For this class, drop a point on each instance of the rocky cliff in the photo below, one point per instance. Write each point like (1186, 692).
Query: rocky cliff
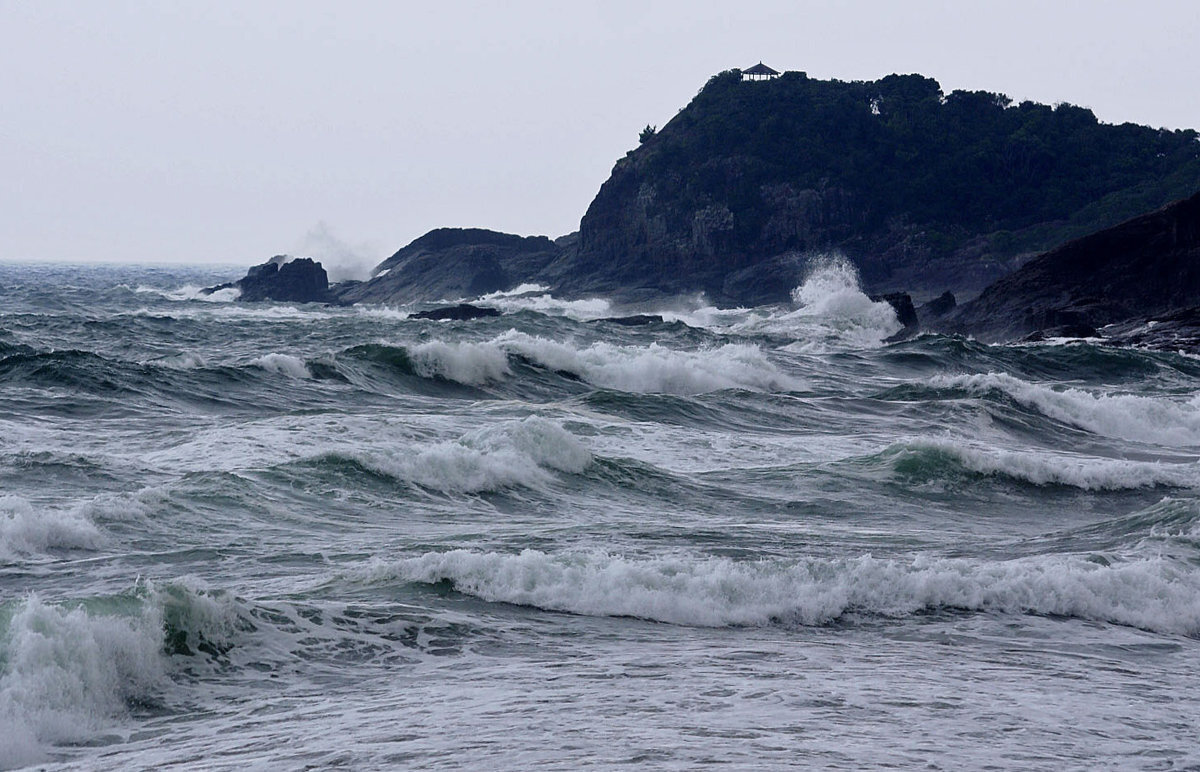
(924, 191)
(1130, 274)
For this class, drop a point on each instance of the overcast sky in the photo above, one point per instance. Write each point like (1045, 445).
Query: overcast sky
(230, 131)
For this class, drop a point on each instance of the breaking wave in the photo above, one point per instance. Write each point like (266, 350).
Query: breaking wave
(193, 292)
(70, 670)
(932, 459)
(519, 453)
(26, 531)
(1152, 594)
(284, 364)
(649, 369)
(1156, 420)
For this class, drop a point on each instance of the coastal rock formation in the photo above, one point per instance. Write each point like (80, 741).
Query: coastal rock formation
(451, 263)
(1144, 269)
(922, 190)
(284, 279)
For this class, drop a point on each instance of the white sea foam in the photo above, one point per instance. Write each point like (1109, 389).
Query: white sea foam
(527, 288)
(27, 530)
(1154, 593)
(1157, 420)
(68, 671)
(497, 457)
(382, 312)
(1091, 474)
(185, 361)
(194, 292)
(241, 312)
(474, 364)
(649, 369)
(523, 299)
(284, 364)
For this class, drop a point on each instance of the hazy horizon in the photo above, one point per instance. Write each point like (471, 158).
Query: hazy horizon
(224, 134)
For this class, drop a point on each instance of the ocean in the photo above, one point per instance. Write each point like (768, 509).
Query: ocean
(290, 537)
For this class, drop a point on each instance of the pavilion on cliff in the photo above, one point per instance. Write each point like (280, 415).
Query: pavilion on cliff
(759, 71)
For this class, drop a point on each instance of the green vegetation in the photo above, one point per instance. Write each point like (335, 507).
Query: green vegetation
(959, 165)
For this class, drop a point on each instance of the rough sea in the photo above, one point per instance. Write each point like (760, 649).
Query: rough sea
(285, 537)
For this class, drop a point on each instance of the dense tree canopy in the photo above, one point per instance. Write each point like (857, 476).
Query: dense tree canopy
(967, 161)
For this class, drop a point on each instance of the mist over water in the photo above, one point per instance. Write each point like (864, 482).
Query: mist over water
(237, 535)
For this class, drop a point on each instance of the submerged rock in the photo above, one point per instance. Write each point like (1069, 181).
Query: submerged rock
(636, 320)
(460, 312)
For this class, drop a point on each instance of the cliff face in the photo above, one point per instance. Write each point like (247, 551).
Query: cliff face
(451, 263)
(924, 191)
(1144, 268)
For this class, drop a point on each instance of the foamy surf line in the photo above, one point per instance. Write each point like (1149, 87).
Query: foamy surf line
(1152, 594)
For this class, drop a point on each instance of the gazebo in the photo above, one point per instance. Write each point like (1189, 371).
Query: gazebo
(759, 71)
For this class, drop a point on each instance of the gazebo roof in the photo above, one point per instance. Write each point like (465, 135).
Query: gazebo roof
(760, 69)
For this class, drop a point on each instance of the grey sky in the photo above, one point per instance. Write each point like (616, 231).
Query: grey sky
(230, 131)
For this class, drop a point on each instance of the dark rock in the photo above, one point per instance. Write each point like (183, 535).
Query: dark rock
(1176, 331)
(299, 280)
(637, 320)
(1142, 269)
(454, 263)
(1063, 331)
(938, 307)
(460, 312)
(901, 303)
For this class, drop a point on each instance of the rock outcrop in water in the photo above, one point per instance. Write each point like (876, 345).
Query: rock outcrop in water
(459, 313)
(284, 279)
(451, 263)
(924, 191)
(1142, 275)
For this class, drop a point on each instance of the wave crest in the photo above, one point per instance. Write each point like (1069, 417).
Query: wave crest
(649, 369)
(519, 453)
(70, 670)
(26, 531)
(931, 458)
(1156, 420)
(1153, 594)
